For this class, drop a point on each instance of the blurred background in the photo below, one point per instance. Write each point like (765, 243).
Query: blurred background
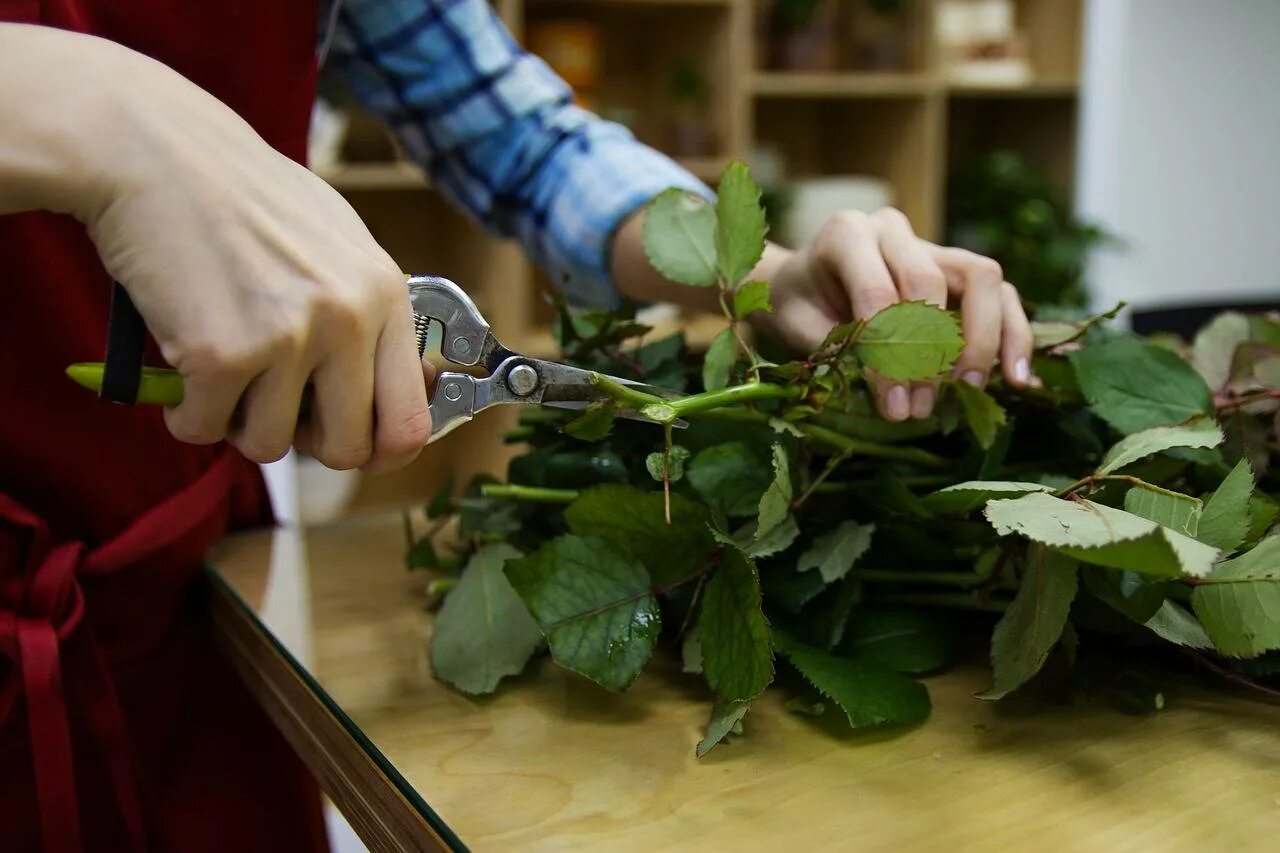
(1102, 150)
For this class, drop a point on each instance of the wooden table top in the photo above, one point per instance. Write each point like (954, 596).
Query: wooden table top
(553, 762)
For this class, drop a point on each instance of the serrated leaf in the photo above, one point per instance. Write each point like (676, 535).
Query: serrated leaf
(869, 695)
(1135, 386)
(691, 652)
(483, 633)
(592, 600)
(726, 717)
(1172, 509)
(1046, 335)
(1214, 350)
(1101, 535)
(905, 639)
(910, 341)
(1171, 622)
(717, 365)
(1263, 511)
(974, 494)
(983, 414)
(775, 503)
(730, 476)
(595, 422)
(737, 653)
(752, 296)
(740, 223)
(1203, 432)
(1225, 519)
(636, 522)
(1239, 606)
(834, 553)
(656, 462)
(680, 238)
(1030, 628)
(775, 541)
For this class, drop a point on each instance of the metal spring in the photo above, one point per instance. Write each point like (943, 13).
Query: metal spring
(421, 325)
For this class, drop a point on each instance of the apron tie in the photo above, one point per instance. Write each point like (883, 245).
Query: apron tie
(35, 636)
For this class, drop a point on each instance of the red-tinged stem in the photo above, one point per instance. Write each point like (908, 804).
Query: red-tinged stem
(1233, 677)
(1238, 402)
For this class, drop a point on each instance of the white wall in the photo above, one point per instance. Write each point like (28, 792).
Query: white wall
(1180, 148)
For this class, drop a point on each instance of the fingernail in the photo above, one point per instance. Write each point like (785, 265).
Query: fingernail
(1022, 371)
(896, 407)
(974, 377)
(922, 402)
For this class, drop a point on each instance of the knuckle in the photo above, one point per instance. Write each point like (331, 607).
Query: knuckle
(892, 215)
(406, 437)
(983, 271)
(343, 457)
(844, 223)
(262, 451)
(925, 278)
(189, 432)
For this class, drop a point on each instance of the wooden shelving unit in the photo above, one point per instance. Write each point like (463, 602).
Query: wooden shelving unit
(909, 126)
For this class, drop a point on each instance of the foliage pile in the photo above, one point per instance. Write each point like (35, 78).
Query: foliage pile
(788, 531)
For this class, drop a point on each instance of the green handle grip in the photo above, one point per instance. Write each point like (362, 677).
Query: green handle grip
(158, 386)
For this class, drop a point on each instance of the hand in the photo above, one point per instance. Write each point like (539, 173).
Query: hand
(255, 278)
(860, 263)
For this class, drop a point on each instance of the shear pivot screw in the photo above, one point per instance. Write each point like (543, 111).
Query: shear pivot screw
(522, 380)
(462, 345)
(453, 392)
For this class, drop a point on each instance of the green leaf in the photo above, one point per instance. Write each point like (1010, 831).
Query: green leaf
(834, 553)
(680, 237)
(441, 503)
(422, 555)
(483, 632)
(592, 600)
(983, 414)
(1225, 519)
(595, 422)
(824, 625)
(1263, 511)
(775, 503)
(1135, 386)
(909, 341)
(1101, 535)
(1203, 432)
(1046, 335)
(791, 589)
(740, 223)
(1172, 509)
(655, 462)
(691, 652)
(1213, 352)
(752, 296)
(905, 639)
(1030, 628)
(1171, 622)
(1239, 606)
(737, 653)
(966, 497)
(726, 717)
(869, 695)
(730, 476)
(717, 365)
(636, 522)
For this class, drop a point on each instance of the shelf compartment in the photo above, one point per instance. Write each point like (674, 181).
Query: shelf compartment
(841, 84)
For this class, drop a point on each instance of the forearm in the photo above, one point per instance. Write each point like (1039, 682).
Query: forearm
(637, 279)
(52, 118)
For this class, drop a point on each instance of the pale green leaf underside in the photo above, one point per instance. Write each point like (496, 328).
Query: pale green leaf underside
(971, 495)
(483, 633)
(1214, 349)
(691, 652)
(1200, 433)
(591, 598)
(737, 652)
(1173, 623)
(910, 340)
(1030, 628)
(1225, 519)
(725, 718)
(1172, 509)
(717, 364)
(775, 503)
(1102, 535)
(1242, 616)
(834, 553)
(680, 237)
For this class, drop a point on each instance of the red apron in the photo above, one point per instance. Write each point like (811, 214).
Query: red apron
(121, 729)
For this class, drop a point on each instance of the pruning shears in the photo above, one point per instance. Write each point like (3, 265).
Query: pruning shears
(457, 397)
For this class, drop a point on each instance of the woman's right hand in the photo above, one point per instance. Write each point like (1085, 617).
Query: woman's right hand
(254, 276)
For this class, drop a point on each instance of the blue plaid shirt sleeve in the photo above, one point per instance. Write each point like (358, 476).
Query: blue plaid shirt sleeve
(495, 129)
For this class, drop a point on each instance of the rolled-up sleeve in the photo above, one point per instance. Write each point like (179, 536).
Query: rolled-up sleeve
(497, 132)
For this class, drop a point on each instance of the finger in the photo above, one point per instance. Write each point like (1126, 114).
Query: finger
(402, 421)
(269, 412)
(1016, 342)
(339, 429)
(918, 277)
(208, 403)
(893, 399)
(978, 282)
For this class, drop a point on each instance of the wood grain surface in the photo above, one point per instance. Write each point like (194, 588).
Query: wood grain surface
(554, 763)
